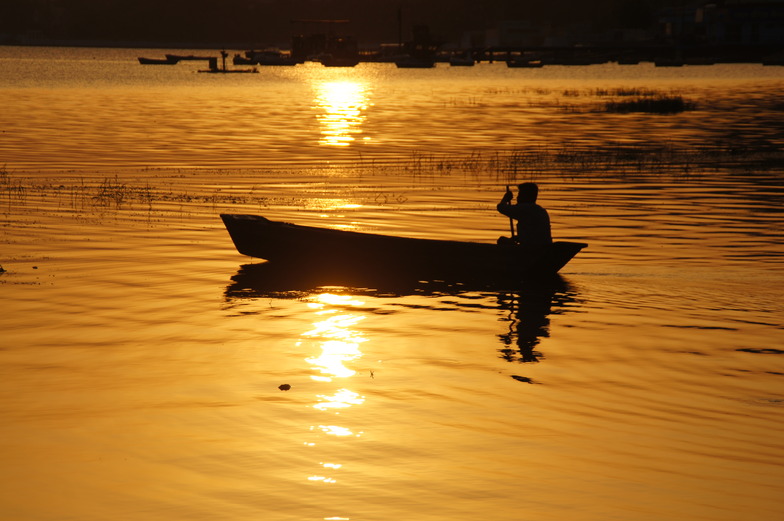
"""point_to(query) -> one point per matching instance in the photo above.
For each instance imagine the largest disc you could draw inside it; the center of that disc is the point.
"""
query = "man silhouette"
(533, 222)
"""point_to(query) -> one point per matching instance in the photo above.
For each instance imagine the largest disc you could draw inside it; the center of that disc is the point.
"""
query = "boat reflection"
(337, 303)
(342, 105)
(528, 306)
(529, 309)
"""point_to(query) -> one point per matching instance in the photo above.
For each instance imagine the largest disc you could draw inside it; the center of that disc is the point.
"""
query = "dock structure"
(319, 41)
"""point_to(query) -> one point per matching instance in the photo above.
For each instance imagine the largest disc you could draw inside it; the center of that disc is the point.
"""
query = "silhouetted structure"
(671, 32)
(421, 51)
(319, 41)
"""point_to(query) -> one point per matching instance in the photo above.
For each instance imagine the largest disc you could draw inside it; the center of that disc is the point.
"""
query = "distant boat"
(668, 62)
(411, 62)
(295, 246)
(266, 57)
(157, 61)
(242, 60)
(700, 60)
(329, 60)
(214, 69)
(524, 63)
(462, 61)
(230, 71)
(189, 57)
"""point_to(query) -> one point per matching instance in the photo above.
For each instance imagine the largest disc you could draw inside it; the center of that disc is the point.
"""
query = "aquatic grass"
(627, 92)
(605, 92)
(611, 160)
(13, 188)
(660, 104)
(619, 100)
(111, 191)
(574, 159)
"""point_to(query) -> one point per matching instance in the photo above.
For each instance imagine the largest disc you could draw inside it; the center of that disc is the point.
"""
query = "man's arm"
(504, 206)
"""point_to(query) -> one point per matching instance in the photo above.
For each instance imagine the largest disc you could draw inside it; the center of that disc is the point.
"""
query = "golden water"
(139, 365)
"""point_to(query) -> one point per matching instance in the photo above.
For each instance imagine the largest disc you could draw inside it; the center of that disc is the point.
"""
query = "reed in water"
(567, 161)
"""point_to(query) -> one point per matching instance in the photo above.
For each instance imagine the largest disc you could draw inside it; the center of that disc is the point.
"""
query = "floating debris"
(522, 379)
(284, 387)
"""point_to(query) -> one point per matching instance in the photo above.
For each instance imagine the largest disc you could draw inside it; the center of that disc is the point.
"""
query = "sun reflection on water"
(342, 105)
(336, 341)
(340, 400)
(339, 343)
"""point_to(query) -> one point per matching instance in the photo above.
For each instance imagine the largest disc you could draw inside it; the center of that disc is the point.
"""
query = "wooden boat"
(338, 250)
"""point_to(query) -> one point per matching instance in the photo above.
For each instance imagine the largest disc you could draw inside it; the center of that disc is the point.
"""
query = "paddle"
(511, 221)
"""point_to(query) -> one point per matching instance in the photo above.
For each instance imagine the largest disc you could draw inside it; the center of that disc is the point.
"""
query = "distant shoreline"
(660, 53)
(105, 44)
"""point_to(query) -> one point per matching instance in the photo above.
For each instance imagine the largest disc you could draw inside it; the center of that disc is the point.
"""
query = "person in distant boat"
(533, 222)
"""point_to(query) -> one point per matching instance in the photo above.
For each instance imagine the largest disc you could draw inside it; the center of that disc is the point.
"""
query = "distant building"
(728, 22)
(743, 23)
(506, 33)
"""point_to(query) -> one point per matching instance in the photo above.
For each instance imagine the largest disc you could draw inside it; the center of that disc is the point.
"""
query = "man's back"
(533, 222)
(534, 228)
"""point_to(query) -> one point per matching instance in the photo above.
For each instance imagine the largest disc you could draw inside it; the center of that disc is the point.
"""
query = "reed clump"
(660, 104)
(576, 159)
(9, 186)
(112, 191)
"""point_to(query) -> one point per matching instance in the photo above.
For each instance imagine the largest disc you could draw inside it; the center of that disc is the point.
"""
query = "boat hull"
(337, 251)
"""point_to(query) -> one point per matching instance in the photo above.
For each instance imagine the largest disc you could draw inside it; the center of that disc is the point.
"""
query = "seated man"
(533, 223)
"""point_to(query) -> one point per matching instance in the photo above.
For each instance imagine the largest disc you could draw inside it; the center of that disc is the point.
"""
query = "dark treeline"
(263, 22)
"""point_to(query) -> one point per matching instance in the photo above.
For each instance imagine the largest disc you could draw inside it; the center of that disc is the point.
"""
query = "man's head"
(527, 192)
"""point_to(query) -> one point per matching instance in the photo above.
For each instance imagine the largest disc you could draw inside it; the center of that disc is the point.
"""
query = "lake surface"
(141, 355)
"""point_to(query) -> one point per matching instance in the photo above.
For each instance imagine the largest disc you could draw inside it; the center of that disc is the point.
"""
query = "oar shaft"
(511, 221)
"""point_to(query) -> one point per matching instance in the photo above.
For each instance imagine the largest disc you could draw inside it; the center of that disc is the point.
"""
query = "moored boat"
(296, 245)
(213, 64)
(331, 60)
(242, 60)
(523, 63)
(265, 57)
(156, 61)
(189, 57)
(411, 62)
(466, 60)
(229, 71)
